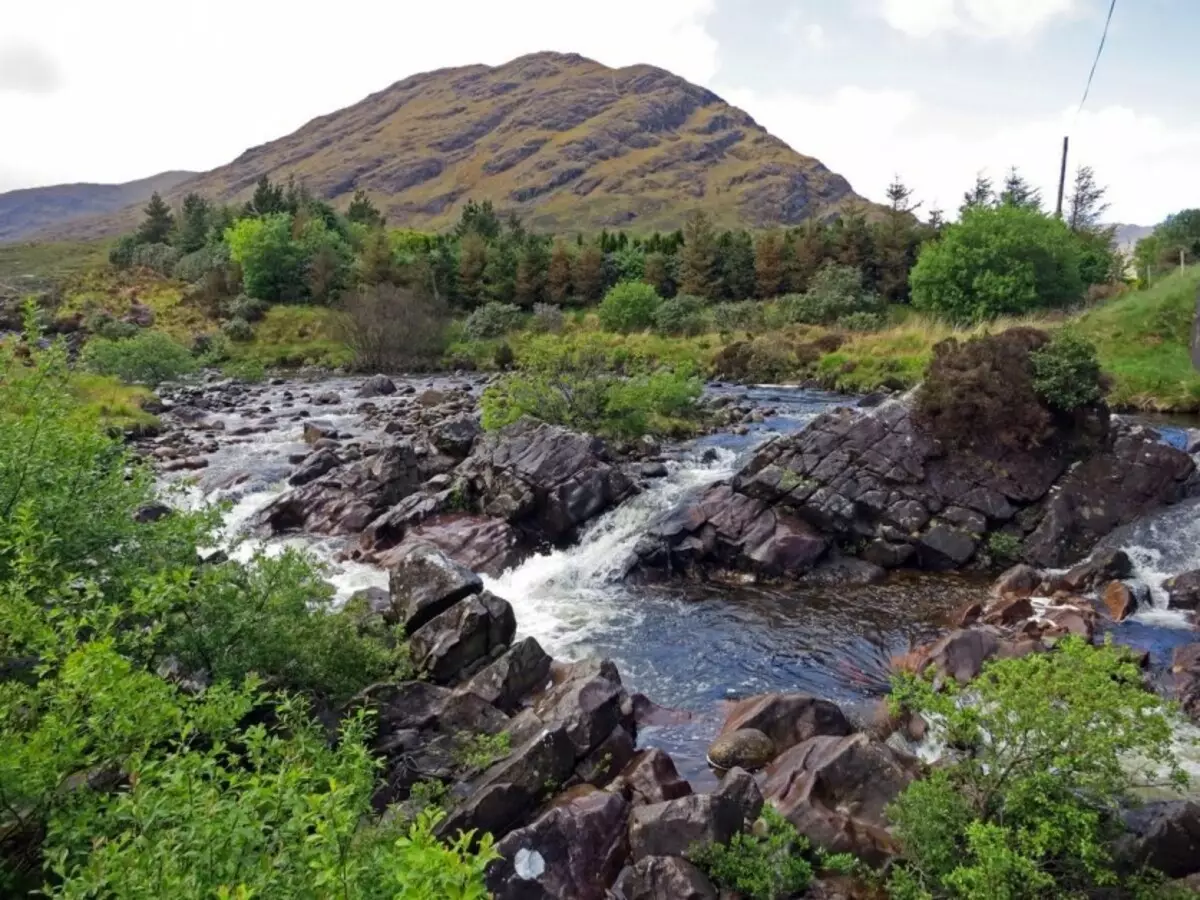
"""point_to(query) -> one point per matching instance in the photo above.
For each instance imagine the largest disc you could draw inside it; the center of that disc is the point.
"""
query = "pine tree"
(768, 265)
(532, 268)
(697, 257)
(896, 242)
(1086, 205)
(159, 222)
(735, 264)
(268, 198)
(1019, 192)
(377, 261)
(558, 274)
(194, 219)
(588, 274)
(363, 211)
(480, 219)
(811, 249)
(500, 273)
(657, 274)
(852, 244)
(937, 220)
(472, 261)
(981, 195)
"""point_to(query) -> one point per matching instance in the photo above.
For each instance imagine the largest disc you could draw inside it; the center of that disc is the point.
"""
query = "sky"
(934, 91)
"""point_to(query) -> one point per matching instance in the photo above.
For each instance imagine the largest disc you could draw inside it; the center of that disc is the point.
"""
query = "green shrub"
(835, 292)
(251, 371)
(629, 306)
(149, 357)
(862, 321)
(102, 324)
(771, 867)
(238, 330)
(160, 258)
(478, 751)
(741, 316)
(243, 306)
(121, 254)
(681, 315)
(194, 266)
(1024, 805)
(1066, 373)
(547, 318)
(1008, 260)
(492, 320)
(1004, 547)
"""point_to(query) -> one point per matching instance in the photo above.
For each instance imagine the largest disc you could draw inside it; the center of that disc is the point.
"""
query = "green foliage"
(835, 292)
(251, 309)
(861, 321)
(1004, 547)
(492, 320)
(272, 261)
(629, 306)
(1066, 373)
(547, 318)
(103, 325)
(121, 254)
(363, 211)
(193, 224)
(149, 357)
(1025, 806)
(479, 751)
(251, 371)
(197, 264)
(159, 258)
(741, 316)
(681, 315)
(238, 330)
(1007, 260)
(156, 228)
(770, 867)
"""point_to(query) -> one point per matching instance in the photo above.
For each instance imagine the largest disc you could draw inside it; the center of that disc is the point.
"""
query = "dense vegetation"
(142, 754)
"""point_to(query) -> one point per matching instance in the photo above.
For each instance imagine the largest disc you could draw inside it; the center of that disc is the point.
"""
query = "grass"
(1143, 339)
(293, 336)
(115, 403)
(55, 260)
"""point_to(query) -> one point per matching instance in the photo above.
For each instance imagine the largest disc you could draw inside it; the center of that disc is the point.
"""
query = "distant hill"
(1129, 235)
(27, 212)
(563, 141)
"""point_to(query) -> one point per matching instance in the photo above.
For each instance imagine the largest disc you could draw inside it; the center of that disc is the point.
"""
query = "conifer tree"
(768, 265)
(363, 211)
(156, 228)
(657, 274)
(472, 261)
(981, 194)
(377, 261)
(532, 267)
(1019, 192)
(1086, 205)
(193, 223)
(268, 198)
(588, 274)
(810, 250)
(558, 274)
(697, 257)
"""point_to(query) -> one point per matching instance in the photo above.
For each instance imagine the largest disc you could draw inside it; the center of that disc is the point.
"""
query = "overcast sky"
(934, 90)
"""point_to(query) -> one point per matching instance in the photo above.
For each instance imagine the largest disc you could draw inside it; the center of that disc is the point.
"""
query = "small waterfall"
(561, 596)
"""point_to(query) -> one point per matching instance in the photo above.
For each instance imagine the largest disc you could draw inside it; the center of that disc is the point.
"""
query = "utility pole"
(1062, 177)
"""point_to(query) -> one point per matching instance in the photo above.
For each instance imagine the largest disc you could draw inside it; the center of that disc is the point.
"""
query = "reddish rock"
(787, 719)
(650, 778)
(1019, 581)
(967, 615)
(1119, 601)
(665, 878)
(1009, 611)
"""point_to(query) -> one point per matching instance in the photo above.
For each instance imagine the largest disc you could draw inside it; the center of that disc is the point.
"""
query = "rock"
(575, 850)
(1075, 620)
(652, 470)
(1185, 679)
(1104, 566)
(588, 706)
(650, 777)
(181, 465)
(664, 878)
(1119, 601)
(485, 545)
(151, 512)
(347, 499)
(425, 707)
(424, 583)
(523, 668)
(465, 634)
(328, 398)
(431, 398)
(607, 760)
(961, 654)
(945, 547)
(745, 748)
(967, 614)
(739, 787)
(1183, 590)
(835, 790)
(314, 466)
(456, 436)
(647, 712)
(542, 478)
(671, 827)
(786, 719)
(1008, 611)
(377, 386)
(1021, 581)
(315, 430)
(1163, 836)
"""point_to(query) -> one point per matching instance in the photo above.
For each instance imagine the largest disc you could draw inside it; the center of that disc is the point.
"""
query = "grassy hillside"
(26, 212)
(567, 143)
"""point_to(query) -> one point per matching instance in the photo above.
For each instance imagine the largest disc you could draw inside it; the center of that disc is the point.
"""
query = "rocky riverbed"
(624, 612)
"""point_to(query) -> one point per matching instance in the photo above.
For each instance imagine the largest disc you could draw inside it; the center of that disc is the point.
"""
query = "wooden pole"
(1062, 177)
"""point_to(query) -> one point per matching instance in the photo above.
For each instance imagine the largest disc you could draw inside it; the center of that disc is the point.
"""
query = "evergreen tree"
(697, 257)
(810, 249)
(1086, 205)
(267, 200)
(376, 260)
(480, 219)
(981, 195)
(768, 265)
(735, 264)
(1019, 192)
(558, 274)
(363, 211)
(897, 242)
(588, 274)
(937, 220)
(156, 228)
(853, 246)
(472, 261)
(500, 274)
(193, 223)
(532, 271)
(657, 274)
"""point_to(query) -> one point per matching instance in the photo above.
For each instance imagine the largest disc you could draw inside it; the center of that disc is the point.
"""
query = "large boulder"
(672, 827)
(377, 386)
(314, 466)
(1185, 679)
(449, 645)
(1183, 591)
(664, 878)
(456, 436)
(576, 849)
(542, 478)
(424, 583)
(486, 545)
(786, 719)
(651, 777)
(835, 790)
(1163, 836)
(746, 748)
(347, 499)
(523, 668)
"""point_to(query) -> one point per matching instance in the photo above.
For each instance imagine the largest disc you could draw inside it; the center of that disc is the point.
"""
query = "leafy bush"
(251, 371)
(629, 306)
(492, 320)
(102, 324)
(121, 254)
(160, 258)
(245, 307)
(195, 266)
(997, 261)
(1066, 372)
(770, 867)
(737, 316)
(149, 357)
(273, 262)
(1024, 808)
(1004, 547)
(547, 318)
(390, 328)
(681, 315)
(238, 330)
(478, 751)
(862, 321)
(835, 292)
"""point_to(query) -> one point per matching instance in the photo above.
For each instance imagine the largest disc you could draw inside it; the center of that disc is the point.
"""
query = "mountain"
(27, 212)
(565, 142)
(1129, 235)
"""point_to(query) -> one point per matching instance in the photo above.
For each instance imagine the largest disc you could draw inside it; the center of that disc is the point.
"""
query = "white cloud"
(26, 68)
(811, 34)
(979, 18)
(869, 136)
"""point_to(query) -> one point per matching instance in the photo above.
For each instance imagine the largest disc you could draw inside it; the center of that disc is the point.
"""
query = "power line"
(1096, 61)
